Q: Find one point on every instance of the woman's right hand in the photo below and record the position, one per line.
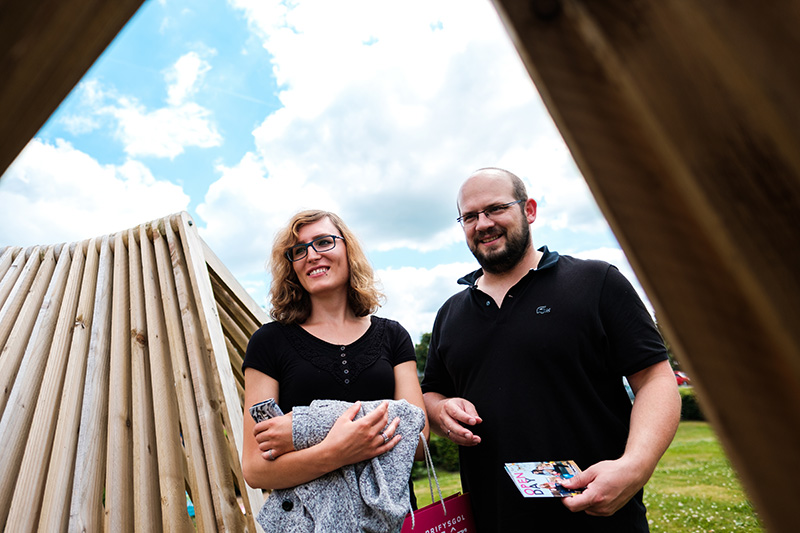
(274, 434)
(355, 440)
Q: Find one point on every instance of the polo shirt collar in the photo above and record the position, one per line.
(548, 260)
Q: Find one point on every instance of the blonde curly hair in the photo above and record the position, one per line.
(290, 302)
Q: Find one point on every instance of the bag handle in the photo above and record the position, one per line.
(429, 468)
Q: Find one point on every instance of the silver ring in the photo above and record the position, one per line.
(385, 438)
(448, 433)
(271, 455)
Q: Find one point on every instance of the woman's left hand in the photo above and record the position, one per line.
(274, 436)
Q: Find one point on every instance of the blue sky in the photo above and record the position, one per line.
(244, 112)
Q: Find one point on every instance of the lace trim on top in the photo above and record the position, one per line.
(344, 363)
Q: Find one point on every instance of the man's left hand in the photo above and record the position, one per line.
(609, 485)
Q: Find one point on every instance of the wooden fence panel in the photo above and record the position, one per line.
(111, 358)
(29, 490)
(19, 339)
(58, 487)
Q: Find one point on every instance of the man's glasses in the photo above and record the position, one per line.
(469, 219)
(320, 244)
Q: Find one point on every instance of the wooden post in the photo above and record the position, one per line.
(119, 508)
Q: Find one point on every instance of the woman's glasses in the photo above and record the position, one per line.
(320, 244)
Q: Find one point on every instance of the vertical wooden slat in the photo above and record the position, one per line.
(119, 509)
(16, 420)
(58, 487)
(193, 446)
(10, 312)
(20, 334)
(233, 330)
(233, 289)
(90, 454)
(170, 455)
(146, 495)
(8, 257)
(221, 376)
(235, 358)
(10, 304)
(29, 491)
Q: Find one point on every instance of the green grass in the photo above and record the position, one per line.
(693, 490)
(450, 483)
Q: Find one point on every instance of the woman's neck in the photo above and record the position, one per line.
(333, 321)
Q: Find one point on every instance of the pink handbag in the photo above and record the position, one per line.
(449, 515)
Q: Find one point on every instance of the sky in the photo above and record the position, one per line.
(244, 112)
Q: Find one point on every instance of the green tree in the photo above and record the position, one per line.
(676, 365)
(421, 349)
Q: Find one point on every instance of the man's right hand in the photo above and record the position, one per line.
(453, 418)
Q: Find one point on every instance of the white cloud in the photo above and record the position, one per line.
(162, 132)
(54, 193)
(184, 76)
(165, 132)
(414, 295)
(387, 108)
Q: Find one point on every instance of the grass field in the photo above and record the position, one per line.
(693, 490)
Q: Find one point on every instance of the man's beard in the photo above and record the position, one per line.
(505, 259)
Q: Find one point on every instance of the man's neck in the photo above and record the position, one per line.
(497, 285)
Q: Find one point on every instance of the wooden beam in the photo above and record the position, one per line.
(684, 118)
(46, 47)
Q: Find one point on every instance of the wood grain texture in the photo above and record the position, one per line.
(683, 118)
(45, 48)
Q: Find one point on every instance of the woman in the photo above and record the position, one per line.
(323, 344)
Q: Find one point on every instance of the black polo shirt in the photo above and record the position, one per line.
(544, 372)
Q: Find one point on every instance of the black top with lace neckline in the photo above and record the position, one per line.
(308, 368)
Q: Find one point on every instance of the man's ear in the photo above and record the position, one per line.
(530, 210)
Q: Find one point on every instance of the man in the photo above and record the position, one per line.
(526, 364)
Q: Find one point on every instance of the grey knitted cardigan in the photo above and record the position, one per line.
(371, 496)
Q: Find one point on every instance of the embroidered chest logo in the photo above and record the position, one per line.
(542, 310)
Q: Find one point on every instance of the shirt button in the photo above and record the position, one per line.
(346, 381)
(343, 348)
(346, 371)
(344, 354)
(488, 303)
(344, 362)
(287, 505)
